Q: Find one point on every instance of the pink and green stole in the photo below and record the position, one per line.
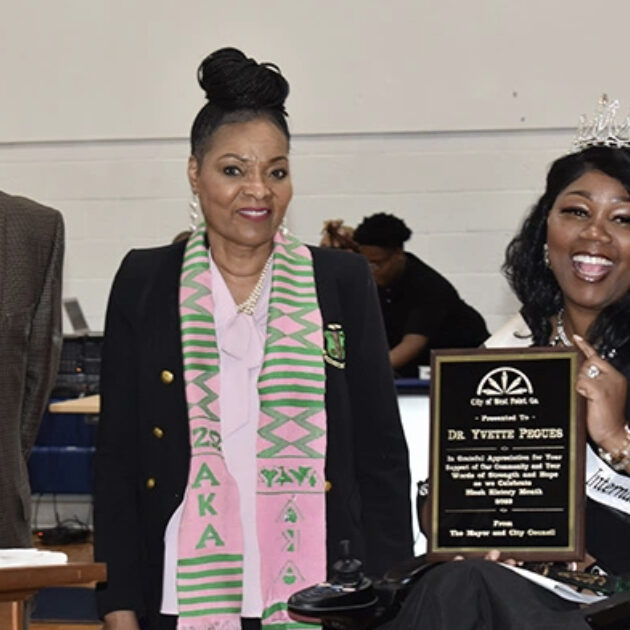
(291, 447)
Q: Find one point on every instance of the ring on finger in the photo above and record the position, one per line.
(593, 371)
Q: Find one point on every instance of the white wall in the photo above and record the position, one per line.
(462, 194)
(446, 113)
(85, 69)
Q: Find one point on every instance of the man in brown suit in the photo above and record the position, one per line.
(31, 253)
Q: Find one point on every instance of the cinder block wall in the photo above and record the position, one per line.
(462, 194)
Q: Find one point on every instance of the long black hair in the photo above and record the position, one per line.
(238, 89)
(533, 281)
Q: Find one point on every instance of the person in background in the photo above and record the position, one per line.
(249, 420)
(31, 257)
(422, 310)
(336, 234)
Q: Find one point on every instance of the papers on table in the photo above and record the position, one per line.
(30, 558)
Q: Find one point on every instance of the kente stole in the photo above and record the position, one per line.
(291, 447)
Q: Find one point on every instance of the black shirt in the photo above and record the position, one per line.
(423, 302)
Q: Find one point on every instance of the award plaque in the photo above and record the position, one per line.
(507, 454)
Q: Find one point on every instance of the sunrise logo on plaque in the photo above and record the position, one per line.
(504, 381)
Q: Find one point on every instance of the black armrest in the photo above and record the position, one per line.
(612, 613)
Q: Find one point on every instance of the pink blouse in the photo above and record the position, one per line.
(241, 341)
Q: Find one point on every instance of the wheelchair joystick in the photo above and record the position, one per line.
(342, 600)
(347, 570)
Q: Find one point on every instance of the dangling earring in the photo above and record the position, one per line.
(194, 212)
(546, 256)
(283, 228)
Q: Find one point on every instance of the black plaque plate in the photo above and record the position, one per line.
(507, 454)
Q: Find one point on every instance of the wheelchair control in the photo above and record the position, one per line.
(347, 591)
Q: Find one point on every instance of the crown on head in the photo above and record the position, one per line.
(603, 130)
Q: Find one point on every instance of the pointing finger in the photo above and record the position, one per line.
(584, 346)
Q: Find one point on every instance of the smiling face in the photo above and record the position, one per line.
(588, 235)
(243, 183)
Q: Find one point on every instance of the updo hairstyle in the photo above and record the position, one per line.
(337, 235)
(533, 281)
(238, 89)
(382, 230)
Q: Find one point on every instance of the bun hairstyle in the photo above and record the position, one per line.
(382, 230)
(238, 89)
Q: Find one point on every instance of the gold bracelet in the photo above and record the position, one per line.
(619, 459)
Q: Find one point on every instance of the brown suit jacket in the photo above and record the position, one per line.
(31, 253)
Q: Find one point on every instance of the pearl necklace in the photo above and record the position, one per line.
(561, 336)
(249, 305)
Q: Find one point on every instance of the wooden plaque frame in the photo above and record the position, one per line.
(507, 454)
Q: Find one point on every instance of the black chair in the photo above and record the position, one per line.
(350, 601)
(612, 613)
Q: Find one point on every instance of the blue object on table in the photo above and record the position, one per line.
(61, 469)
(65, 429)
(61, 460)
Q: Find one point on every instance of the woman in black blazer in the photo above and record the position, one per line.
(144, 444)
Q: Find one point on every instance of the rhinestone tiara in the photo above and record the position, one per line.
(603, 130)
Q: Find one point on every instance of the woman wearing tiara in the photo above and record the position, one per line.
(249, 421)
(570, 267)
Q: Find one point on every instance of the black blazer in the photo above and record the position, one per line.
(143, 450)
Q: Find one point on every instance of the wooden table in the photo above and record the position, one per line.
(17, 584)
(87, 404)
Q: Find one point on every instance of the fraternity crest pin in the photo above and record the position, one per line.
(335, 345)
